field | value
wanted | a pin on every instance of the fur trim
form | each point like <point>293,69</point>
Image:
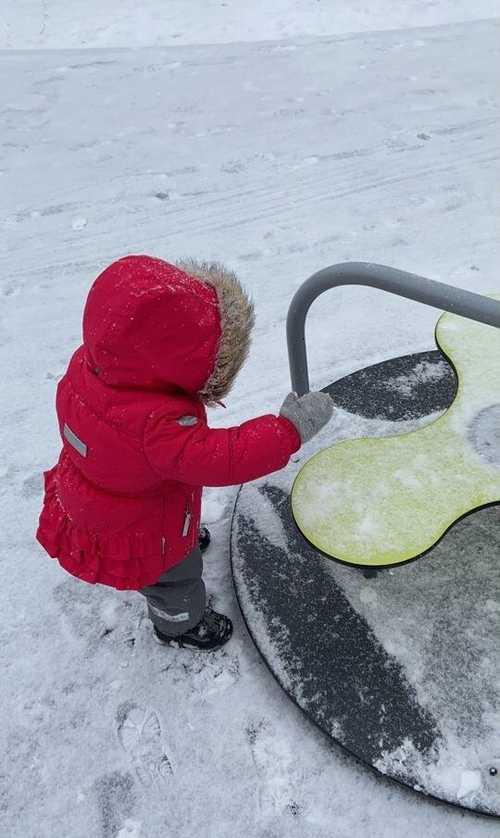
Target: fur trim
<point>237,319</point>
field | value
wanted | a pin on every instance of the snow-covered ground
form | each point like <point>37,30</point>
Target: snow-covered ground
<point>126,23</point>
<point>279,157</point>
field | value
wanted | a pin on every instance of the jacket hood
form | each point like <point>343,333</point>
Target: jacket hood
<point>149,324</point>
<point>237,319</point>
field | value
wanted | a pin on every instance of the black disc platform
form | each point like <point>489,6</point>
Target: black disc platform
<point>402,668</point>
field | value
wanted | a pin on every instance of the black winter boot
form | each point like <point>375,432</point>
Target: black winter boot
<point>204,538</point>
<point>210,633</point>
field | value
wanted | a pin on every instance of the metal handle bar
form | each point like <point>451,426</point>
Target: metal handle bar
<point>413,287</point>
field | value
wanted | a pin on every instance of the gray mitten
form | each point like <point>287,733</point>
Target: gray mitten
<point>308,413</point>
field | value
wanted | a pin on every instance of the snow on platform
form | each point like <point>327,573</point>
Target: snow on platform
<point>400,667</point>
<point>387,501</point>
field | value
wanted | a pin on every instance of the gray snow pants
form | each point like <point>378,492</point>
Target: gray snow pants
<point>177,601</point>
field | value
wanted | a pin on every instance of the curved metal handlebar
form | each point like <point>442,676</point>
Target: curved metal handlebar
<point>413,287</point>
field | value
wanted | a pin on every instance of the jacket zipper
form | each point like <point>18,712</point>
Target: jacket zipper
<point>163,540</point>
<point>187,522</point>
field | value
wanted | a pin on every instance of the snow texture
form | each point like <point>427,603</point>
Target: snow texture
<point>56,24</point>
<point>279,152</point>
<point>423,373</point>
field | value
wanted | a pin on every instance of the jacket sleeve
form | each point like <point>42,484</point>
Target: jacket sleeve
<point>203,456</point>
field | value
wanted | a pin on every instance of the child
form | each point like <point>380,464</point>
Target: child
<point>122,506</point>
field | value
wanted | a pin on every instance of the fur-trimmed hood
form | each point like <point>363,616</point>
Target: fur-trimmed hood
<point>237,318</point>
<point>150,324</point>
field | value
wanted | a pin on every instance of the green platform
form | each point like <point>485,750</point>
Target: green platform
<point>383,501</point>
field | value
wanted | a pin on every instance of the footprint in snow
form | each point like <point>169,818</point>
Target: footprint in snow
<point>280,779</point>
<point>205,679</point>
<point>97,615</point>
<point>32,486</point>
<point>116,801</point>
<point>140,733</point>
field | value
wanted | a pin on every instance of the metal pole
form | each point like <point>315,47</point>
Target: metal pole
<point>413,287</point>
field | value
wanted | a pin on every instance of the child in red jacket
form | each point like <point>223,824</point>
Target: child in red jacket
<point>122,505</point>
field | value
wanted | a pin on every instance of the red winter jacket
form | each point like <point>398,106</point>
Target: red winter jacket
<point>122,505</point>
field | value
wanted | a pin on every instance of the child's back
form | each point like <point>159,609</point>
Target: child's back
<point>122,506</point>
